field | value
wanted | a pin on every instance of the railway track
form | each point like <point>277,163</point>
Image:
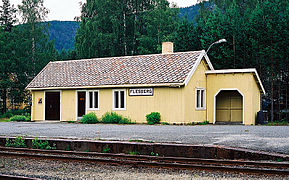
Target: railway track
<point>237,166</point>
<point>10,177</point>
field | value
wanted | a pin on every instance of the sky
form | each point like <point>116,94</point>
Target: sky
<point>66,10</point>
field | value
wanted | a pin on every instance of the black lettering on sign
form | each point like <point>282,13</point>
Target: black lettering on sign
<point>141,92</point>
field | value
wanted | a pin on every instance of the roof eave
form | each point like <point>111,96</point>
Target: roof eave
<point>173,85</point>
<point>200,58</point>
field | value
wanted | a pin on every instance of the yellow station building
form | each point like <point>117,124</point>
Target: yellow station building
<point>183,87</point>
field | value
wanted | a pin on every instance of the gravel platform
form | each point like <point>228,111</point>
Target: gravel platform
<point>265,138</point>
<point>45,169</point>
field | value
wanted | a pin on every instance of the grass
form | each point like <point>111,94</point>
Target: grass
<point>203,123</point>
<point>197,123</point>
<point>165,123</point>
<point>71,122</point>
<point>139,140</point>
<point>4,120</point>
<point>136,140</point>
<point>278,123</point>
<point>133,153</point>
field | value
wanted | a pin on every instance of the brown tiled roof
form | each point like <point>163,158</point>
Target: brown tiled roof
<point>129,70</point>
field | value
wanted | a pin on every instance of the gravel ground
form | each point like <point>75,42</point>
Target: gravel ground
<point>266,138</point>
<point>45,169</point>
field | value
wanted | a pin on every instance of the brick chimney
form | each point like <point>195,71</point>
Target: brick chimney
<point>167,47</point>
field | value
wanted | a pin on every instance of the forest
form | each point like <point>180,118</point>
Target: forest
<point>257,34</point>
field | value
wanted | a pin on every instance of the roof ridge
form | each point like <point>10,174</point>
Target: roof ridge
<point>135,56</point>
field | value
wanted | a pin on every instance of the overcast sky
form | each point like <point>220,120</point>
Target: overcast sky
<point>68,9</point>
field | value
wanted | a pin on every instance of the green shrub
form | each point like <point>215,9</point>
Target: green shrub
<point>114,118</point>
<point>89,119</point>
<point>133,153</point>
<point>7,115</point>
<point>153,118</point>
<point>203,123</point>
<point>125,121</point>
<point>39,144</point>
<point>13,112</point>
<point>106,149</point>
<point>111,118</point>
<point>278,123</point>
<point>19,118</point>
<point>18,142</point>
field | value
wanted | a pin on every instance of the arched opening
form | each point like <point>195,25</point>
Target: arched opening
<point>229,107</point>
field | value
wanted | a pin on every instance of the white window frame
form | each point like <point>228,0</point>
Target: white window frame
<point>200,100</point>
<point>119,100</point>
<point>93,100</point>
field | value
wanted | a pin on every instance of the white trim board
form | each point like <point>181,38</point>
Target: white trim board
<point>231,71</point>
<point>228,89</point>
<point>196,65</point>
<point>110,86</point>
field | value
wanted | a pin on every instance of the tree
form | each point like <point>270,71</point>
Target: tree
<point>123,27</point>
<point>7,16</point>
<point>7,20</point>
<point>159,25</point>
<point>187,36</point>
<point>33,12</point>
<point>257,35</point>
<point>24,51</point>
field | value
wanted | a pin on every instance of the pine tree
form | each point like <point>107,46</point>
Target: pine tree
<point>7,16</point>
<point>33,12</point>
<point>124,27</point>
<point>7,20</point>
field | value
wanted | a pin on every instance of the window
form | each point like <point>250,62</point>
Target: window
<point>93,100</point>
<point>119,100</point>
<point>200,98</point>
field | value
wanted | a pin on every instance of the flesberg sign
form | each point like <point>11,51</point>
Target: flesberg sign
<point>141,92</point>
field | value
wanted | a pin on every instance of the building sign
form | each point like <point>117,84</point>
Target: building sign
<point>141,92</point>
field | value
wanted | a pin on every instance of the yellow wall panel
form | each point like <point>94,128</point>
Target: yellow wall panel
<point>37,110</point>
<point>167,101</point>
<point>243,82</point>
<point>198,80</point>
<point>68,106</point>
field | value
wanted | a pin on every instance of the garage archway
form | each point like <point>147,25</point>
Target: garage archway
<point>229,107</point>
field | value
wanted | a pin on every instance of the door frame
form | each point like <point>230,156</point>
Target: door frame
<point>76,103</point>
<point>228,89</point>
<point>44,102</point>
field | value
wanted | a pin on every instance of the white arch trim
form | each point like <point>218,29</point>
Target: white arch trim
<point>228,89</point>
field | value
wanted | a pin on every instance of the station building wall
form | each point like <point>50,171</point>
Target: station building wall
<point>175,104</point>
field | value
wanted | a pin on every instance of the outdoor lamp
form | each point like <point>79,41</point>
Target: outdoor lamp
<point>217,42</point>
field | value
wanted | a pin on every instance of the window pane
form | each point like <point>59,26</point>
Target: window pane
<point>121,99</point>
<point>116,99</point>
<point>198,98</point>
<point>95,99</point>
<point>90,100</point>
<point>202,98</point>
